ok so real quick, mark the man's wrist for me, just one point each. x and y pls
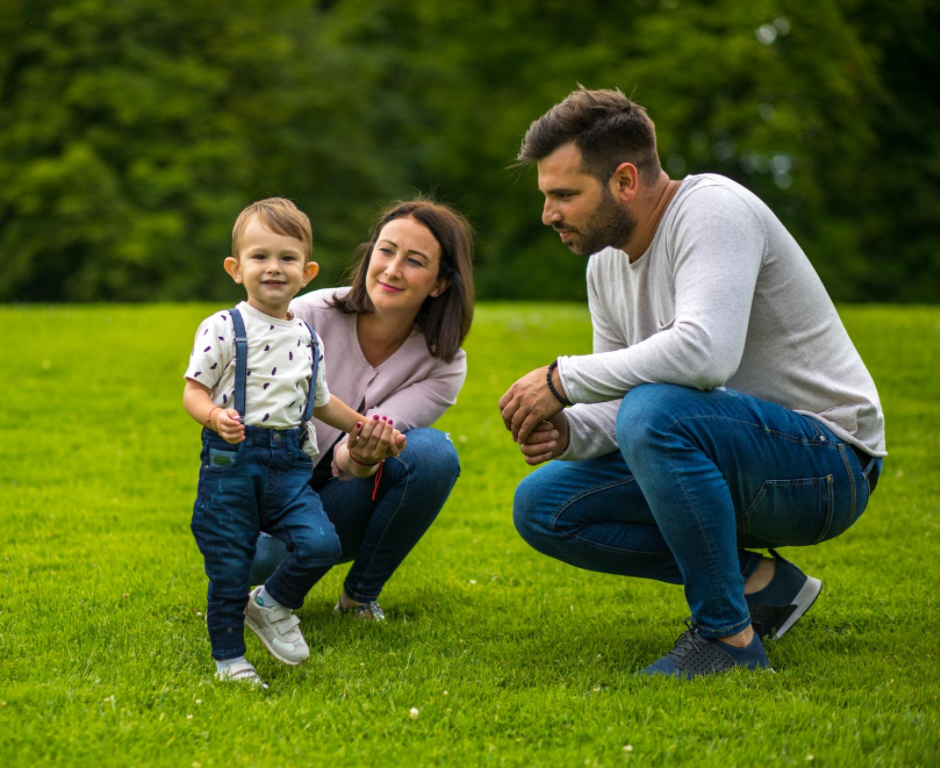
(556, 391)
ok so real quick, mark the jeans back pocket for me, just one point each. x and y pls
(790, 512)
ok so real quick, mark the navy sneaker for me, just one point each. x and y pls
(782, 603)
(695, 656)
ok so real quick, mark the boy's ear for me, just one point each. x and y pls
(232, 267)
(311, 268)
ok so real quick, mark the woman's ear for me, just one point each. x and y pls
(439, 287)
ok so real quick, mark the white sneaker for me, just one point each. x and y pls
(242, 672)
(277, 628)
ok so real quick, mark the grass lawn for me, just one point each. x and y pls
(510, 657)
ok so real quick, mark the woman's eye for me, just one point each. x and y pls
(386, 251)
(416, 262)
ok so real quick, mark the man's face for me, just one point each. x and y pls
(585, 213)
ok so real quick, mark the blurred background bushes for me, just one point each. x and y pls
(132, 132)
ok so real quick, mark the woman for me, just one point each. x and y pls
(393, 341)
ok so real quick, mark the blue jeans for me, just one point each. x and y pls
(699, 476)
(378, 535)
(260, 483)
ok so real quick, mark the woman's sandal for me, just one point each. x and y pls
(370, 611)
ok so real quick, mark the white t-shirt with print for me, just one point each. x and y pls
(279, 365)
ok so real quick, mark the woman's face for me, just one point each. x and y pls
(404, 267)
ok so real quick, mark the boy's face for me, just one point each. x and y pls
(272, 268)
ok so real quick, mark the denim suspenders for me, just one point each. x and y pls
(241, 367)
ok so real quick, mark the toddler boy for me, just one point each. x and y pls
(255, 375)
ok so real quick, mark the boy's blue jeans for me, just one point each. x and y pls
(699, 476)
(378, 534)
(259, 483)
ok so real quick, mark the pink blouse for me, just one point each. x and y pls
(412, 387)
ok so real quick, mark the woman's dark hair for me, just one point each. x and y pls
(444, 320)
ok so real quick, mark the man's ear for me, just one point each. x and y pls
(232, 267)
(625, 182)
(311, 269)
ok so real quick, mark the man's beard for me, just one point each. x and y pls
(610, 224)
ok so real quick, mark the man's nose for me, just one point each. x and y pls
(549, 214)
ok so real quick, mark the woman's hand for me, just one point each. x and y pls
(374, 440)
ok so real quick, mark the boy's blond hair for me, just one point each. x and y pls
(279, 215)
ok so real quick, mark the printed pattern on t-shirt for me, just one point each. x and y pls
(279, 365)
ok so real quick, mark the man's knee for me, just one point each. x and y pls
(645, 414)
(528, 515)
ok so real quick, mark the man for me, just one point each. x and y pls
(724, 405)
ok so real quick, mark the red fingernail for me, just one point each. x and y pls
(384, 419)
(358, 425)
(390, 421)
(375, 418)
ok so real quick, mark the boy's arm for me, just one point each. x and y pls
(197, 401)
(338, 415)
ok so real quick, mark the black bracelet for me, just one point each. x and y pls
(548, 377)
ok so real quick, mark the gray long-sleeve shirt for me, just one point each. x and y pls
(723, 296)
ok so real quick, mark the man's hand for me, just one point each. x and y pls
(547, 441)
(528, 402)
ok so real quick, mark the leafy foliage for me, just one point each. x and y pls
(132, 133)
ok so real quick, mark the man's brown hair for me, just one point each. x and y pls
(279, 215)
(606, 126)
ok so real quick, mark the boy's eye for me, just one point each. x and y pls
(288, 258)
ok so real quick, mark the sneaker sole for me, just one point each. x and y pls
(803, 602)
(273, 651)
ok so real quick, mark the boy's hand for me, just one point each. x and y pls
(228, 424)
(399, 441)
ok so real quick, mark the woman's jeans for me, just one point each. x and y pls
(258, 484)
(699, 476)
(378, 535)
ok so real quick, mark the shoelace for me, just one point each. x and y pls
(688, 641)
